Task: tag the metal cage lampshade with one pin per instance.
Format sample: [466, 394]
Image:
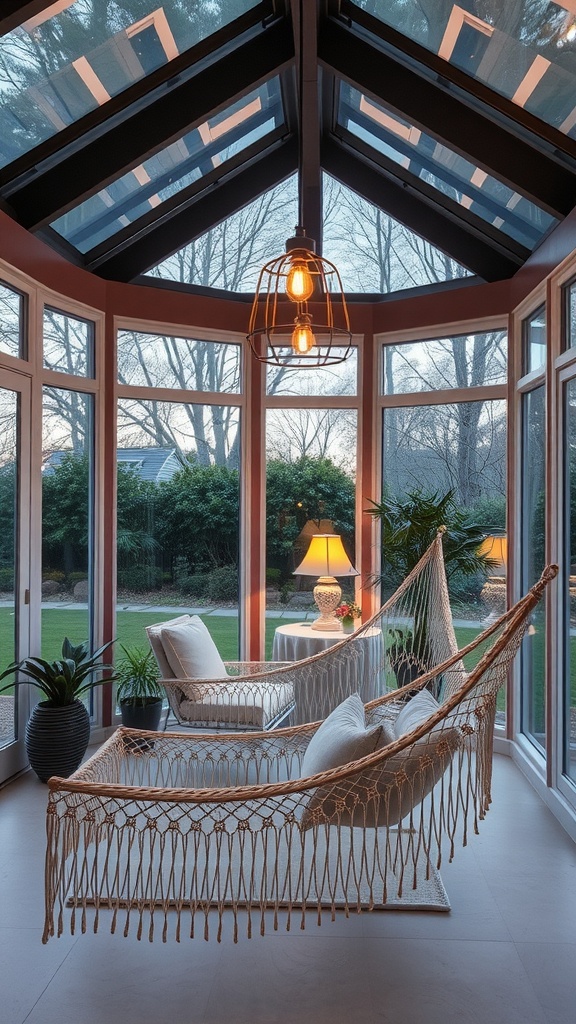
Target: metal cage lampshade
[299, 315]
[326, 559]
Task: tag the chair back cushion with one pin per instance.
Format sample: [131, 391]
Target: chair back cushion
[154, 633]
[191, 651]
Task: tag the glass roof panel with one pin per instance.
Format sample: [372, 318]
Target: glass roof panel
[443, 168]
[76, 54]
[525, 51]
[171, 170]
[374, 252]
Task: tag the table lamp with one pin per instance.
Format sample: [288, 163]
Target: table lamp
[326, 559]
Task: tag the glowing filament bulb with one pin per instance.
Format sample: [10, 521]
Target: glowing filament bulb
[299, 283]
[302, 336]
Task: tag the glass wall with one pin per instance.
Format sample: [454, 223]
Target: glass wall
[568, 694]
[9, 446]
[178, 486]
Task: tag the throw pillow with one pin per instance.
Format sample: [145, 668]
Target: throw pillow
[415, 712]
[191, 651]
[342, 737]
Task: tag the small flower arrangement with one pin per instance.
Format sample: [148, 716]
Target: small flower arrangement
[348, 612]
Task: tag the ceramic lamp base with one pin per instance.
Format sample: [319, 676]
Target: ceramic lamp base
[327, 594]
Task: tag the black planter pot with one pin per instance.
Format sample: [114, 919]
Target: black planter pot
[56, 738]
[142, 716]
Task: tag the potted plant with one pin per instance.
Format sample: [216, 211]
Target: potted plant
[138, 691]
[58, 730]
[409, 524]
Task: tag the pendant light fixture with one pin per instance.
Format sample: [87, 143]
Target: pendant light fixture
[299, 316]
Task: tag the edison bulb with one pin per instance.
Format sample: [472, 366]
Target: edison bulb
[302, 338]
[299, 283]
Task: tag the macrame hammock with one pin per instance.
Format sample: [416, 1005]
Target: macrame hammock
[172, 834]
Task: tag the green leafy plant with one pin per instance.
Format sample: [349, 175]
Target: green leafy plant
[137, 678]
[62, 681]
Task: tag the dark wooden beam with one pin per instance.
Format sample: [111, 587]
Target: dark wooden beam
[14, 12]
[449, 234]
[136, 256]
[432, 108]
[310, 187]
[59, 187]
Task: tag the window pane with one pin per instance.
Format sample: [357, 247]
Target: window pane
[8, 552]
[532, 533]
[468, 360]
[375, 253]
[569, 585]
[430, 451]
[569, 333]
[12, 339]
[67, 519]
[161, 176]
[524, 55]
[443, 168]
[310, 488]
[341, 379]
[68, 344]
[534, 329]
[178, 518]
[74, 56]
[156, 360]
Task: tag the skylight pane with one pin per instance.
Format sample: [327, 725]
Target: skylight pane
[442, 168]
[526, 52]
[76, 54]
[373, 252]
[173, 169]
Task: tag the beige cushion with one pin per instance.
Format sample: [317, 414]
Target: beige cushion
[154, 633]
[248, 705]
[342, 737]
[415, 712]
[191, 651]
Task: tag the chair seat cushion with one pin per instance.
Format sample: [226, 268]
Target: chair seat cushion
[236, 704]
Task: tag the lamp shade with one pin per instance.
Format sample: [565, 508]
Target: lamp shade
[495, 546]
[326, 557]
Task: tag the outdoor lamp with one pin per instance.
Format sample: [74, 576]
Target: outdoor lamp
[326, 559]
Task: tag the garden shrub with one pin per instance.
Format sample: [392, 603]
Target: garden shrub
[195, 585]
[223, 584]
[7, 578]
[140, 578]
[56, 575]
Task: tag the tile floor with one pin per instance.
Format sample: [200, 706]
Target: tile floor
[506, 954]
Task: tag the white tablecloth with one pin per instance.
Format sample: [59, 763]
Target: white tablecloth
[317, 697]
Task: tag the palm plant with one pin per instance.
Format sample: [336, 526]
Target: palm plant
[62, 681]
[137, 678]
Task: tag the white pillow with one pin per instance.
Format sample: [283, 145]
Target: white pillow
[191, 651]
[342, 737]
[155, 637]
[415, 712]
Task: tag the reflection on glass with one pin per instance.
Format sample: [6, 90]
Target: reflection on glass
[68, 343]
[569, 583]
[178, 512]
[11, 321]
[8, 520]
[467, 360]
[534, 332]
[67, 518]
[310, 488]
[532, 521]
[157, 360]
[74, 55]
[163, 175]
[525, 55]
[443, 168]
